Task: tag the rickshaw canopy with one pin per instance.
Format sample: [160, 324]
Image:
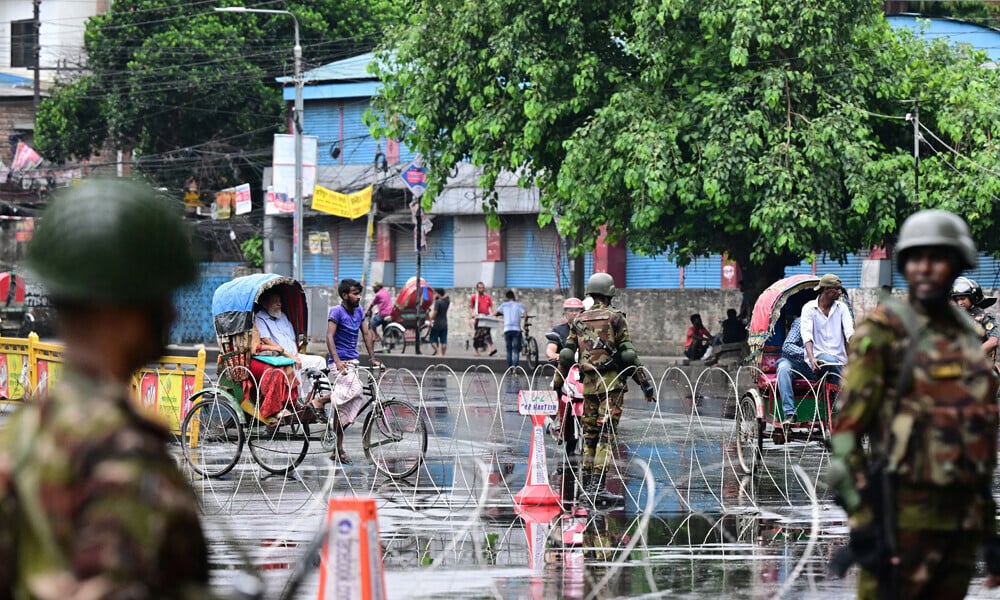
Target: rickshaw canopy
[407, 297]
[233, 302]
[769, 304]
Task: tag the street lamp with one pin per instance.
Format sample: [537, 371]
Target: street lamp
[297, 123]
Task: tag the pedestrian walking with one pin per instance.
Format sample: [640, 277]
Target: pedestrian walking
[918, 385]
[513, 313]
[92, 505]
[439, 322]
[481, 305]
[600, 335]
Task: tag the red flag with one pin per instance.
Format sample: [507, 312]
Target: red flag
[25, 158]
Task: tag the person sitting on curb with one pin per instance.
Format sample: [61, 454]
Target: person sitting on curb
[697, 345]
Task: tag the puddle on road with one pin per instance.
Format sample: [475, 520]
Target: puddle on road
[701, 528]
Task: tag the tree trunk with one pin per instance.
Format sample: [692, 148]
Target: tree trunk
[757, 278]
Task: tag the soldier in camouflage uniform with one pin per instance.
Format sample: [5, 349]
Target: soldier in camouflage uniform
[91, 503]
[967, 294]
[917, 384]
[606, 358]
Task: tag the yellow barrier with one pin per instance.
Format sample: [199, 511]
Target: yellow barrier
[29, 366]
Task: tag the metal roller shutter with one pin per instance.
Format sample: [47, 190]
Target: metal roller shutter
[317, 269]
[651, 271]
[533, 255]
[437, 265]
[704, 273]
[351, 248]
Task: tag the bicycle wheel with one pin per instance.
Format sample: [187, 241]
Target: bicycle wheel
[211, 436]
[282, 448]
[328, 440]
[531, 353]
[393, 340]
[395, 438]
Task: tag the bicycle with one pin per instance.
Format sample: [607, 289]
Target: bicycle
[214, 432]
[530, 345]
[393, 336]
[394, 434]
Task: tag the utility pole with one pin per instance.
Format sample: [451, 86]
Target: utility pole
[36, 49]
[914, 117]
[369, 232]
[418, 233]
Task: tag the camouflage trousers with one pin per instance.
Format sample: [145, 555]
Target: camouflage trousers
[601, 414]
[933, 564]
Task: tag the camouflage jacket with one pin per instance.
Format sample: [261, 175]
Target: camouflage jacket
[940, 441]
[597, 333]
[91, 503]
[987, 326]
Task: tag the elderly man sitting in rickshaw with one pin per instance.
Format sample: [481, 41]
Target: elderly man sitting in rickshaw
[277, 337]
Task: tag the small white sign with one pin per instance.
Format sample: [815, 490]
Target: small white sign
[537, 402]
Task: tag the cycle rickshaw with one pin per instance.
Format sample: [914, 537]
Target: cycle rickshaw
[403, 326]
[223, 417]
[759, 413]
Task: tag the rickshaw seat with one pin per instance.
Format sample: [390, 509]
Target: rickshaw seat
[800, 385]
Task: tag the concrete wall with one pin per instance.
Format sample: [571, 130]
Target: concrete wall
[658, 319]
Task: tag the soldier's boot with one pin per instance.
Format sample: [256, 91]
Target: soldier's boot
[602, 497]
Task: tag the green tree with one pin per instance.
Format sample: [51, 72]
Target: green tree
[692, 126]
[192, 90]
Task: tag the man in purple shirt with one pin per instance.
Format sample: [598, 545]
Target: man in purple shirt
[344, 323]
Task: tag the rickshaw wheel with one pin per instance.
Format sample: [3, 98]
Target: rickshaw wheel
[211, 436]
[281, 449]
[393, 339]
[395, 438]
[749, 434]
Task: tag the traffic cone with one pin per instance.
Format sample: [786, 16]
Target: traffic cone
[537, 490]
[351, 567]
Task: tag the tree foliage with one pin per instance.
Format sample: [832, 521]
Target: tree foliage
[192, 91]
[768, 130]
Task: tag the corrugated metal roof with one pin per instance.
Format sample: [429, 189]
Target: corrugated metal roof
[349, 69]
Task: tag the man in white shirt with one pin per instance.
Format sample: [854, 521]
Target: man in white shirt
[276, 330]
[827, 326]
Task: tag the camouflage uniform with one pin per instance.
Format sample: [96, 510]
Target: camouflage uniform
[91, 503]
[943, 444]
[598, 333]
[987, 327]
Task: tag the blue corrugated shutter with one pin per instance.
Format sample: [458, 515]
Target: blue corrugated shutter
[986, 274]
[704, 273]
[437, 265]
[351, 248]
[317, 269]
[651, 271]
[564, 265]
[533, 255]
[849, 272]
[322, 119]
[803, 268]
[359, 145]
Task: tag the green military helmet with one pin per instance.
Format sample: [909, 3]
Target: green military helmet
[601, 284]
[112, 240]
[936, 228]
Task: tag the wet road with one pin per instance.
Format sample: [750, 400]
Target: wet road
[693, 526]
